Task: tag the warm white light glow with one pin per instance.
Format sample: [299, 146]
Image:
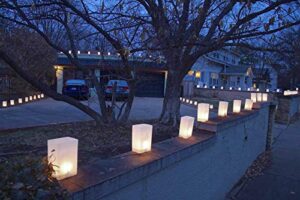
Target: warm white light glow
[257, 89]
[230, 88]
[34, 97]
[264, 97]
[12, 102]
[4, 103]
[222, 87]
[62, 153]
[223, 108]
[198, 86]
[99, 53]
[253, 97]
[237, 106]
[239, 89]
[267, 90]
[195, 103]
[277, 90]
[89, 52]
[26, 99]
[248, 89]
[141, 138]
[258, 97]
[211, 106]
[288, 92]
[187, 100]
[205, 86]
[42, 95]
[108, 53]
[20, 100]
[78, 52]
[38, 96]
[186, 127]
[30, 98]
[191, 102]
[203, 112]
[214, 87]
[183, 99]
[70, 51]
[248, 104]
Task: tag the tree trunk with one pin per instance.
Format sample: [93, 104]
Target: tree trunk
[129, 102]
[171, 105]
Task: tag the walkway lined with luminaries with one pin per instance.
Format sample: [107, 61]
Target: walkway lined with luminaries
[21, 100]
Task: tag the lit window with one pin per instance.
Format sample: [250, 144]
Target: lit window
[191, 73]
[198, 74]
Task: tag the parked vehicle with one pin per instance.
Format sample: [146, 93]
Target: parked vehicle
[122, 89]
[76, 88]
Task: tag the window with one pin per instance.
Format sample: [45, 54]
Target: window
[214, 79]
[191, 73]
[198, 74]
[238, 80]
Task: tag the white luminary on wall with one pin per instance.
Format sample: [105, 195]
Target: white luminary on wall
[203, 112]
[257, 89]
[253, 97]
[213, 87]
[99, 53]
[186, 127]
[187, 101]
[26, 99]
[222, 87]
[42, 95]
[258, 97]
[277, 90]
[20, 100]
[78, 52]
[267, 90]
[4, 103]
[180, 98]
[183, 99]
[62, 153]
[141, 138]
[248, 104]
[239, 89]
[237, 106]
[211, 106]
[70, 51]
[38, 96]
[264, 97]
[89, 52]
[191, 102]
[12, 102]
[195, 103]
[34, 97]
[223, 108]
[198, 86]
[248, 89]
[230, 88]
[205, 86]
[30, 98]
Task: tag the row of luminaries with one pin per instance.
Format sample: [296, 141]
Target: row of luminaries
[12, 102]
[63, 152]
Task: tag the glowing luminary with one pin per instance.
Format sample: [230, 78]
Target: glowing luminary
[30, 98]
[259, 97]
[257, 89]
[195, 103]
[186, 127]
[230, 88]
[62, 153]
[42, 95]
[70, 51]
[277, 90]
[239, 89]
[38, 96]
[223, 107]
[34, 97]
[213, 87]
[191, 102]
[248, 89]
[264, 97]
[198, 86]
[183, 99]
[203, 112]
[89, 52]
[211, 106]
[237, 106]
[253, 97]
[20, 100]
[4, 103]
[78, 52]
[26, 99]
[222, 87]
[248, 104]
[141, 138]
[180, 98]
[99, 53]
[12, 102]
[205, 86]
[267, 90]
[297, 89]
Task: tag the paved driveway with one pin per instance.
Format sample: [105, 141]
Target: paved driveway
[49, 111]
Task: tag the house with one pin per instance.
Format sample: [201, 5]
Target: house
[151, 75]
[221, 69]
[265, 77]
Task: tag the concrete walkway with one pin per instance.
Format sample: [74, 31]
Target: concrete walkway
[281, 181]
[49, 111]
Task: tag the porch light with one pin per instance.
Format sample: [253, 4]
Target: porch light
[237, 106]
[203, 112]
[4, 103]
[258, 97]
[12, 102]
[297, 89]
[42, 95]
[141, 138]
[30, 98]
[223, 107]
[20, 100]
[62, 154]
[26, 99]
[248, 104]
[264, 97]
[253, 97]
[186, 127]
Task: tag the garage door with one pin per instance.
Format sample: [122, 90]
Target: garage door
[150, 84]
